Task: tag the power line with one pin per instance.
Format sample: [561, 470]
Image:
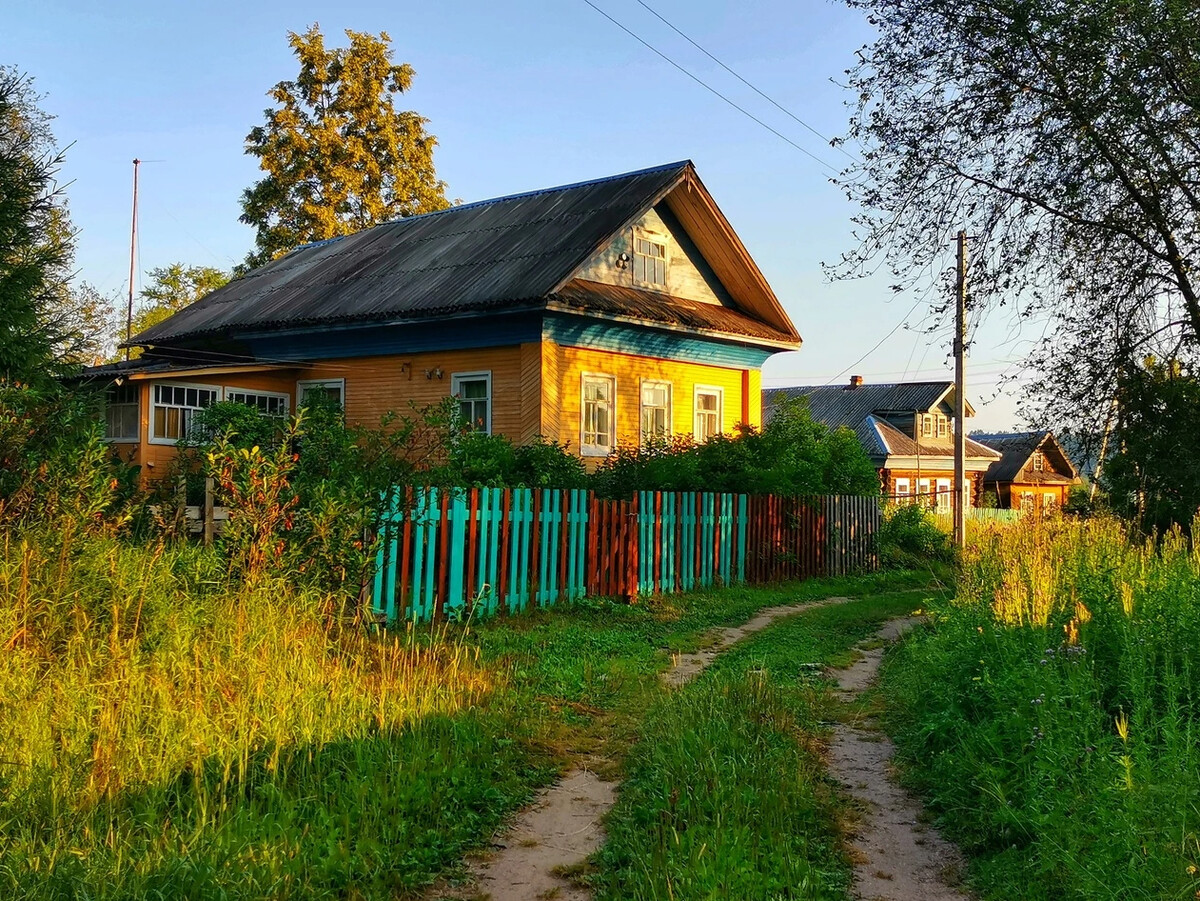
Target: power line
[711, 89]
[747, 83]
[879, 343]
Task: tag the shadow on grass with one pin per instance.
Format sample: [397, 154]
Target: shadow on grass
[373, 817]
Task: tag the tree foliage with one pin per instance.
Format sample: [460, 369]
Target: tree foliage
[338, 156]
[1064, 136]
[1154, 475]
[36, 238]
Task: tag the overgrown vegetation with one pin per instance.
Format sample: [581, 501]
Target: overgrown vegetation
[1050, 712]
[200, 722]
[172, 731]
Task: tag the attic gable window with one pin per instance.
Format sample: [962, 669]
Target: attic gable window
[1039, 461]
[649, 260]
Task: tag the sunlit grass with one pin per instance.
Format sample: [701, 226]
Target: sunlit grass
[1052, 712]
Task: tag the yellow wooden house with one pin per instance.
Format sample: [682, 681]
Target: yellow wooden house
[598, 314]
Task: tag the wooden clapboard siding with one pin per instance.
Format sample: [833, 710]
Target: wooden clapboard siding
[378, 385]
[531, 392]
[629, 371]
[551, 400]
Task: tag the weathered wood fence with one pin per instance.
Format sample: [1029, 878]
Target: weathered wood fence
[478, 551]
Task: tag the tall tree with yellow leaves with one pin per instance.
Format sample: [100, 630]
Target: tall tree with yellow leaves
[338, 156]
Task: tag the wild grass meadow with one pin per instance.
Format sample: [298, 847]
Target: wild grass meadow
[1051, 712]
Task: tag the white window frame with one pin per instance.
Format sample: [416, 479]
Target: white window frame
[1039, 461]
[154, 405]
[943, 427]
[302, 385]
[137, 405]
[484, 375]
[597, 450]
[720, 395]
[943, 498]
[927, 430]
[1027, 500]
[903, 491]
[662, 241]
[655, 383]
[924, 492]
[254, 392]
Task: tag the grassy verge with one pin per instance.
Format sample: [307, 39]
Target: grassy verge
[1051, 714]
[726, 795]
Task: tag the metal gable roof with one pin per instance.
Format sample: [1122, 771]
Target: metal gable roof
[1017, 447]
[475, 256]
[837, 405]
[491, 254]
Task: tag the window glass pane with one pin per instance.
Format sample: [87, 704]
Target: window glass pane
[474, 388]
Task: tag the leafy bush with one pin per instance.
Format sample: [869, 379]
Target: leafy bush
[54, 464]
[910, 537]
[791, 455]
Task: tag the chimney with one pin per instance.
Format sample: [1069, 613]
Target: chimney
[855, 382]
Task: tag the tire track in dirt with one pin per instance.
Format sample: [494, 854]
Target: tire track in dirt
[562, 827]
[896, 857]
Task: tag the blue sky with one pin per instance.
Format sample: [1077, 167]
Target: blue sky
[521, 95]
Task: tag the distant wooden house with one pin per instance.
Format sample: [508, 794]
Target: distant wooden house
[608, 312]
[905, 428]
[1033, 473]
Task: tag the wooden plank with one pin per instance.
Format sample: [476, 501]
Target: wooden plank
[471, 588]
[406, 543]
[454, 552]
[378, 593]
[657, 587]
[505, 551]
[741, 537]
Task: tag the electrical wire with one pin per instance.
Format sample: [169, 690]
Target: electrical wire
[771, 100]
[711, 89]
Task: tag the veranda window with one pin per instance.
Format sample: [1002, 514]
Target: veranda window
[708, 413]
[474, 393]
[174, 408]
[121, 419]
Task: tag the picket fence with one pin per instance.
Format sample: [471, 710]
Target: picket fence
[450, 553]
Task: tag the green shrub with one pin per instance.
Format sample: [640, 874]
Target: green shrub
[910, 537]
[54, 464]
[792, 455]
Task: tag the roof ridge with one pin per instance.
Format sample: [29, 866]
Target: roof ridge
[679, 164]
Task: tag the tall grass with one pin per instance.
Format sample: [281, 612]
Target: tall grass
[162, 732]
[1052, 712]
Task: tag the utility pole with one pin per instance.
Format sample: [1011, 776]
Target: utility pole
[132, 253]
[960, 397]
